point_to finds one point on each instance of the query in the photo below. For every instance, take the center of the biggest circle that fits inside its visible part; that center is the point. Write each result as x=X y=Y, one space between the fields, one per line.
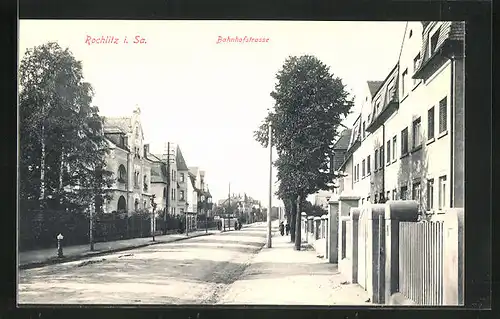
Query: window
x=364 y=126
x=416 y=133
x=173 y=194
x=181 y=210
x=368 y=165
x=381 y=153
x=122 y=174
x=430 y=123
x=173 y=175
x=442 y=115
x=403 y=82
x=416 y=63
x=394 y=145
x=173 y=210
x=376 y=159
x=388 y=151
x=403 y=194
x=357 y=169
x=363 y=166
x=182 y=177
x=381 y=198
x=404 y=142
x=145 y=183
x=181 y=195
x=394 y=194
x=442 y=192
x=434 y=41
x=416 y=192
x=430 y=194
x=391 y=91
x=136 y=179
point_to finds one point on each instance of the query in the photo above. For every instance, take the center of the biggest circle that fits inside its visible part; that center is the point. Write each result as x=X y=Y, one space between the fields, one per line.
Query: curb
x=399 y=299
x=55 y=260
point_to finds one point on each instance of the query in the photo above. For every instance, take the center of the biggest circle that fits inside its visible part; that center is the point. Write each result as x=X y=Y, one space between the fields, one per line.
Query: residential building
x=130 y=161
x=408 y=142
x=182 y=181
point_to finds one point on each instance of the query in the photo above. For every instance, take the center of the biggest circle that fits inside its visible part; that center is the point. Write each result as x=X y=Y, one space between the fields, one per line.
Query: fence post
x=303 y=224
x=374 y=254
x=453 y=257
x=333 y=230
x=395 y=212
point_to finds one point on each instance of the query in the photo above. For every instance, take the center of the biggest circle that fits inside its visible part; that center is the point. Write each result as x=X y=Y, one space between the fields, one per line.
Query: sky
x=210 y=97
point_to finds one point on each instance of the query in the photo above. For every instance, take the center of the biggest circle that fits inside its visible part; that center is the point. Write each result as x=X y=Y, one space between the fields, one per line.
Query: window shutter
x=442 y=115
x=430 y=123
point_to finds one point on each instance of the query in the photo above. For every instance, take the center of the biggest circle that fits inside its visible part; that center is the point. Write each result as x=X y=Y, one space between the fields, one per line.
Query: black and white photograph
x=248 y=162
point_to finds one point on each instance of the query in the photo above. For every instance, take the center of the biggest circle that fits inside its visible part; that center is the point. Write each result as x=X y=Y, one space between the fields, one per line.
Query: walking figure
x=287 y=228
x=282 y=228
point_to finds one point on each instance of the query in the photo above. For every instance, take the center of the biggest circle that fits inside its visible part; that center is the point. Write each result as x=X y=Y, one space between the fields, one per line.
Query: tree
x=313 y=210
x=62 y=144
x=310 y=103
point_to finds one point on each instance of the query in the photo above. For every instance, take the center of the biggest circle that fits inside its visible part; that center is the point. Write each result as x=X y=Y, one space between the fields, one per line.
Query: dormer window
x=434 y=41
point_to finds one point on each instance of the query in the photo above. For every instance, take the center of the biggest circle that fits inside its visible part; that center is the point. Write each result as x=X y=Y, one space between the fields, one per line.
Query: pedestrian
x=282 y=228
x=287 y=228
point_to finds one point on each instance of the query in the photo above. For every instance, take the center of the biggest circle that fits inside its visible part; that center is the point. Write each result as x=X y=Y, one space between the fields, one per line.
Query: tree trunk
x=298 y=230
x=293 y=216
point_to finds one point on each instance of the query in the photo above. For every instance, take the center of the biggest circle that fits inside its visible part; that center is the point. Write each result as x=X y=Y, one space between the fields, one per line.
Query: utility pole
x=270 y=187
x=167 y=204
x=229 y=209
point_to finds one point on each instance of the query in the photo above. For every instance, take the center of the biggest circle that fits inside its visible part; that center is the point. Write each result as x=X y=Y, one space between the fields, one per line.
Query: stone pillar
x=395 y=212
x=333 y=230
x=323 y=225
x=453 y=257
x=310 y=229
x=375 y=266
x=346 y=202
x=324 y=222
x=317 y=227
x=353 y=253
x=303 y=224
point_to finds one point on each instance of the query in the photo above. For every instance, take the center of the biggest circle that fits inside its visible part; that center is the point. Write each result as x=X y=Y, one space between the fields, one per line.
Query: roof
x=374 y=86
x=115 y=124
x=343 y=140
x=193 y=170
x=156 y=174
x=180 y=161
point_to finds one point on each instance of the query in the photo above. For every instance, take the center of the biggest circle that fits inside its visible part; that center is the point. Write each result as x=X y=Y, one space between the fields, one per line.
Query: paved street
x=193 y=271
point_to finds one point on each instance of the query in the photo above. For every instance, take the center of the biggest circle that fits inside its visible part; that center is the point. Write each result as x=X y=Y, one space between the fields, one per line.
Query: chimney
x=146 y=150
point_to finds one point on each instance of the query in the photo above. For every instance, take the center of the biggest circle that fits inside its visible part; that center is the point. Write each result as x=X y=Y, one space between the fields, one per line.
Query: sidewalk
x=43 y=257
x=283 y=276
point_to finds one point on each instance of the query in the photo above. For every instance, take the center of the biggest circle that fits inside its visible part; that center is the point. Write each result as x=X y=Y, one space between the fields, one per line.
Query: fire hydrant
x=59 y=246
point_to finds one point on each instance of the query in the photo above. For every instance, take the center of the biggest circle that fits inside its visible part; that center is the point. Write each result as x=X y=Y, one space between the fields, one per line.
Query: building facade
x=408 y=142
x=129 y=160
